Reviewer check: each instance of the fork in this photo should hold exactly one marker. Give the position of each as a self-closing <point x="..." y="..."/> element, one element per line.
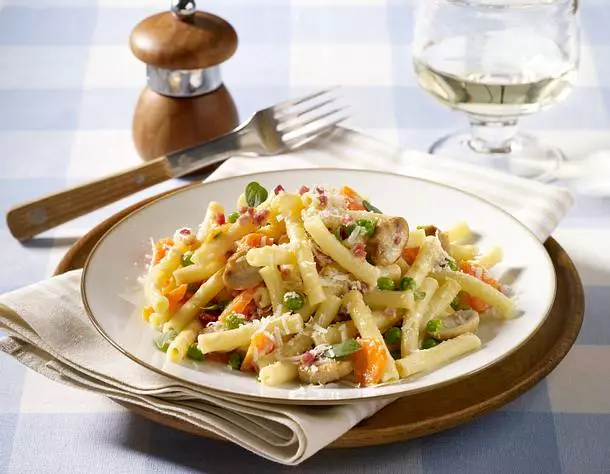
<point x="269" y="131"/>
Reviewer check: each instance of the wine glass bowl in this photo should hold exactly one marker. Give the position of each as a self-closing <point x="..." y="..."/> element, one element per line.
<point x="498" y="60"/>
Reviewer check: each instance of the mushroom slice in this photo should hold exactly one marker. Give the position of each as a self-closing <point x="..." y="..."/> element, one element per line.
<point x="328" y="371"/>
<point x="239" y="274"/>
<point x="388" y="241"/>
<point x="457" y="323"/>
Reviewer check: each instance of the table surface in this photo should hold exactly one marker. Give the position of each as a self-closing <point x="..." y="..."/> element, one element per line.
<point x="68" y="88"/>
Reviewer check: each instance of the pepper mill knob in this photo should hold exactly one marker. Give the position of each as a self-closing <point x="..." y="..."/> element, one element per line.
<point x="185" y="102"/>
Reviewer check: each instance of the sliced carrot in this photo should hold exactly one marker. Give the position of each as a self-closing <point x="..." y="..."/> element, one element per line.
<point x="477" y="303"/>
<point x="261" y="344"/>
<point x="354" y="201"/>
<point x="161" y="248"/>
<point x="410" y="254"/>
<point x="239" y="303"/>
<point x="369" y="362"/>
<point x="176" y="296"/>
<point x="472" y="269"/>
<point x="146" y="312"/>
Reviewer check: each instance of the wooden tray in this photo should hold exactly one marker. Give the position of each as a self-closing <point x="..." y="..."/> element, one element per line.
<point x="434" y="410"/>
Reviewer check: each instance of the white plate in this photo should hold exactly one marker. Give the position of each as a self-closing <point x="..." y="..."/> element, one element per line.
<point x="118" y="260"/>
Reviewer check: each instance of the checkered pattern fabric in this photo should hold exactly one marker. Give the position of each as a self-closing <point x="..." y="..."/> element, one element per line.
<point x="68" y="87"/>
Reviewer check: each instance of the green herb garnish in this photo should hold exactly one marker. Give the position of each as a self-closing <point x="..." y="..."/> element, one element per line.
<point x="255" y="194"/>
<point x="343" y="349"/>
<point x="369" y="207"/>
<point x="186" y="259"/>
<point x="232" y="218"/>
<point x="235" y="360"/>
<point x="233" y="321"/>
<point x="162" y="341"/>
<point x="368" y="226"/>
<point x="194" y="353"/>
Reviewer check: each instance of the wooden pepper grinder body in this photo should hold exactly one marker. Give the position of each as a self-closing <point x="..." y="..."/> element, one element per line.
<point x="185" y="101"/>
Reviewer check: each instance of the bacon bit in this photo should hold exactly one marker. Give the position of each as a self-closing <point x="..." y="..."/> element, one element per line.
<point x="308" y="358"/>
<point x="397" y="239"/>
<point x="278" y="188"/>
<point x="244" y="219"/>
<point x="347" y="219"/>
<point x="243" y="209"/>
<point x="261" y="216"/>
<point x="323" y="200"/>
<point x="303" y="189"/>
<point x="320" y="190"/>
<point x="285" y="272"/>
<point x="220" y="219"/>
<point x="222" y="357"/>
<point x="207" y="318"/>
<point x="185" y="231"/>
<point x="359" y="250"/>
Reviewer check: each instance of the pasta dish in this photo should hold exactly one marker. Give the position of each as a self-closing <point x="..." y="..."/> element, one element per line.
<point x="320" y="286"/>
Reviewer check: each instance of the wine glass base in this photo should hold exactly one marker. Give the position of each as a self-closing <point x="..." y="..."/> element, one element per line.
<point x="526" y="157"/>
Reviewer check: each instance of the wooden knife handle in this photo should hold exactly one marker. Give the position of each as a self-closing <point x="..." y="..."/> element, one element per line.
<point x="39" y="215"/>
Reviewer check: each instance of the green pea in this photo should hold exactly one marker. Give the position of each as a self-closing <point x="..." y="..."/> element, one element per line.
<point x="451" y="264"/>
<point x="385" y="283"/>
<point x="233" y="321"/>
<point x="293" y="300"/>
<point x="232" y="218"/>
<point x="194" y="353"/>
<point x="419" y="295"/>
<point x="235" y="360"/>
<point x="434" y="325"/>
<point x="186" y="259"/>
<point x="392" y="336"/>
<point x="407" y="283"/>
<point x="428" y="343"/>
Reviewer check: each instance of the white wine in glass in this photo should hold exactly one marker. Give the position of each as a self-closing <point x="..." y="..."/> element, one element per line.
<point x="498" y="60"/>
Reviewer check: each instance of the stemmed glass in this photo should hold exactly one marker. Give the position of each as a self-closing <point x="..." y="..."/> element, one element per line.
<point x="498" y="60"/>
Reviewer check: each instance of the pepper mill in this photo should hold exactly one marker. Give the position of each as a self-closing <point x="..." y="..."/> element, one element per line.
<point x="185" y="102"/>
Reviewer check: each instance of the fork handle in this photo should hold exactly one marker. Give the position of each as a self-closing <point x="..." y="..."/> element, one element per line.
<point x="34" y="217"/>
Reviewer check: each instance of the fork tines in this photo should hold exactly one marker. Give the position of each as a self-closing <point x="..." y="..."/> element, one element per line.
<point x="307" y="117"/>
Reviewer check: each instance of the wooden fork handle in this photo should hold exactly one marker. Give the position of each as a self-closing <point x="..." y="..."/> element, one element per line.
<point x="32" y="218"/>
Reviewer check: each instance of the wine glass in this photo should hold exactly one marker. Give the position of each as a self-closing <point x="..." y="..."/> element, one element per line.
<point x="497" y="60"/>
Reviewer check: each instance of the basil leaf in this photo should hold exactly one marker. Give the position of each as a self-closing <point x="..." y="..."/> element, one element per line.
<point x="342" y="349"/>
<point x="255" y="194"/>
<point x="369" y="207"/>
<point x="162" y="341"/>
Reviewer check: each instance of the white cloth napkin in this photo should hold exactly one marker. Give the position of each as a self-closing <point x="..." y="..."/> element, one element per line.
<point x="50" y="332"/>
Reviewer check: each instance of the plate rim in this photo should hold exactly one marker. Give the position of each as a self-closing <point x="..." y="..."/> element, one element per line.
<point x="304" y="401"/>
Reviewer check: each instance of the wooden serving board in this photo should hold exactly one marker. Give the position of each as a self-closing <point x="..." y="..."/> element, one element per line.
<point x="436" y="409"/>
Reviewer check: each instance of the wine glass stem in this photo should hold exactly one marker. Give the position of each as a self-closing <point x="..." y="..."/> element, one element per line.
<point x="492" y="136"/>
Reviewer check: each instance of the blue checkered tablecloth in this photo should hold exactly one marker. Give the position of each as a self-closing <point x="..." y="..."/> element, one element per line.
<point x="68" y="87"/>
